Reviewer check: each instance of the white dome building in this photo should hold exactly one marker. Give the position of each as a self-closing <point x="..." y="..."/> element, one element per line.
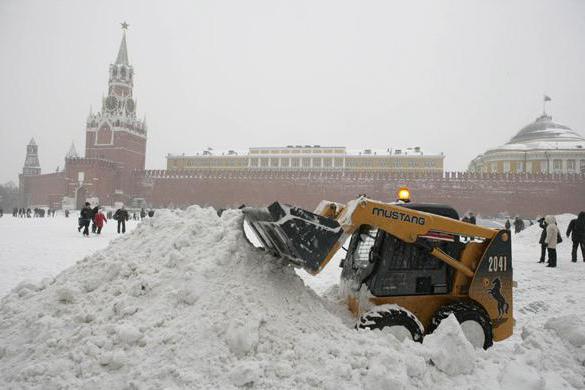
<point x="543" y="146"/>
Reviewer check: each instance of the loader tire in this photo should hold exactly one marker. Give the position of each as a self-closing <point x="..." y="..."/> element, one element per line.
<point x="400" y="322"/>
<point x="473" y="319"/>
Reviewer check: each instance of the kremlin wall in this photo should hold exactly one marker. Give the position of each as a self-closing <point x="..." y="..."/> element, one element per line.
<point x="540" y="171"/>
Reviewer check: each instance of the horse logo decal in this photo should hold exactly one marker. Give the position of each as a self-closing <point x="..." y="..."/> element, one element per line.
<point x="496" y="292"/>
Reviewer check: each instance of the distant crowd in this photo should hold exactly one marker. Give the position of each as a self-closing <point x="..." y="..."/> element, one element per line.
<point x="96" y="217"/>
<point x="31" y="213"/>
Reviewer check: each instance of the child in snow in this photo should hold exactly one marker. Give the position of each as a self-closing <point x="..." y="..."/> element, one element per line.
<point x="99" y="220"/>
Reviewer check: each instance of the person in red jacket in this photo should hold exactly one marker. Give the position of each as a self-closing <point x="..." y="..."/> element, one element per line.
<point x="100" y="219"/>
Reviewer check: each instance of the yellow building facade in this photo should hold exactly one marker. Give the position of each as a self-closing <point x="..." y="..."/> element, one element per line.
<point x="311" y="158"/>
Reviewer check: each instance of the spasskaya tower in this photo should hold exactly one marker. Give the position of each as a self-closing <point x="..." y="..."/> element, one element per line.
<point x="115" y="134"/>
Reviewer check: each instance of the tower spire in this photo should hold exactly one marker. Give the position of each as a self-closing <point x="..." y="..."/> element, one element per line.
<point x="72" y="153"/>
<point x="122" y="58"/>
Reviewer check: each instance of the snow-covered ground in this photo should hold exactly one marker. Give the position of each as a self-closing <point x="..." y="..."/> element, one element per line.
<point x="35" y="248"/>
<point x="185" y="302"/>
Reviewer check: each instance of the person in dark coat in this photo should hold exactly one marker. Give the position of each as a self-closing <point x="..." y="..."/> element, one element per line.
<point x="121" y="215"/>
<point x="576" y="231"/>
<point x="507" y="225"/>
<point x="94" y="212"/>
<point x="85" y="217"/>
<point x="542" y="223"/>
<point x="472" y="218"/>
<point x="518" y="225"/>
<point x="150" y="213"/>
<point x="142" y="213"/>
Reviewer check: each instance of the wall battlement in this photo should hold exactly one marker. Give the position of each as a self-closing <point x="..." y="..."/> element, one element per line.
<point x="488" y="194"/>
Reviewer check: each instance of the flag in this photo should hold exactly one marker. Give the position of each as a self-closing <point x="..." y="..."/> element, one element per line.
<point x="547" y="98"/>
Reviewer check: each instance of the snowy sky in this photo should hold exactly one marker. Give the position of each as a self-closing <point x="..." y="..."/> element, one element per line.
<point x="449" y="76"/>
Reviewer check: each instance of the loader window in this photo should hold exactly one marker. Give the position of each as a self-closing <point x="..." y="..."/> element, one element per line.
<point x="405" y="269"/>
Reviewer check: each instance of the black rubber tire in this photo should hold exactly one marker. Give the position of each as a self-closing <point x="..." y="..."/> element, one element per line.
<point x="379" y="319"/>
<point x="465" y="311"/>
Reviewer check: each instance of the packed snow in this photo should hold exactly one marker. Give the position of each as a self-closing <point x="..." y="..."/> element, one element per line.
<point x="184" y="301"/>
<point x="35" y="248"/>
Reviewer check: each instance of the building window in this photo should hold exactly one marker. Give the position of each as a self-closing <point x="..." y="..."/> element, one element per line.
<point x="582" y="166"/>
<point x="506" y="166"/>
<point x="306" y="162"/>
<point x="294" y="162"/>
<point x="327" y="162"/>
<point x="557" y="165"/>
<point x="493" y="167"/>
<point x="529" y="166"/>
<point x="254" y="162"/>
<point x="571" y="165"/>
<point x="284" y="162"/>
<point x="274" y="162"/>
<point x="264" y="162"/>
<point x="317" y="162"/>
<point x="339" y="162"/>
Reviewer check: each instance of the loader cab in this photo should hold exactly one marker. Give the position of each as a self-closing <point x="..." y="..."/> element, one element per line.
<point x="391" y="267"/>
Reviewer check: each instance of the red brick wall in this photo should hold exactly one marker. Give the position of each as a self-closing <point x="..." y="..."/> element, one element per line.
<point x="101" y="178"/>
<point x="488" y="194"/>
<point x="128" y="150"/>
<point x="42" y="190"/>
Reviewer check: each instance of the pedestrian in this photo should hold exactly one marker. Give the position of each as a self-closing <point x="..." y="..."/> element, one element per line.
<point x="85" y="218"/>
<point x="472" y="219"/>
<point x="1" y="212"/>
<point x="577" y="230"/>
<point x="542" y="241"/>
<point x="150" y="213"/>
<point x="99" y="220"/>
<point x="121" y="215"/>
<point x="94" y="212"/>
<point x="518" y="225"/>
<point x="28" y="212"/>
<point x="66" y="213"/>
<point x="552" y="235"/>
<point x="507" y="225"/>
<point x="142" y="214"/>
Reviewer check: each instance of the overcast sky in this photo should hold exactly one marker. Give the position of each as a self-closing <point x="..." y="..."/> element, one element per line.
<point x="450" y="76"/>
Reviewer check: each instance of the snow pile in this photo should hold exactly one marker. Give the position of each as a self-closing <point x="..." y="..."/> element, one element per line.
<point x="450" y="350"/>
<point x="185" y="302"/>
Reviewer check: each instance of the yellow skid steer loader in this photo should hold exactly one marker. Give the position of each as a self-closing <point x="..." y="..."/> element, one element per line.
<point x="408" y="266"/>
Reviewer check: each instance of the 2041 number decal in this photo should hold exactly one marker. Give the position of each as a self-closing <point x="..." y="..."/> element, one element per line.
<point x="497" y="263"/>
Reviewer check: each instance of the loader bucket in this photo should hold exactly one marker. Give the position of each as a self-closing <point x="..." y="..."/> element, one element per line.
<point x="299" y="236"/>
